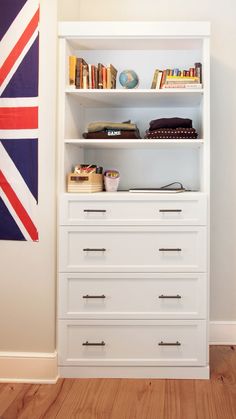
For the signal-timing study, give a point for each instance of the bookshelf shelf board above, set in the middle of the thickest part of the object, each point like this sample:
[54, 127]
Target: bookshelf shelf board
[136, 143]
[137, 98]
[129, 195]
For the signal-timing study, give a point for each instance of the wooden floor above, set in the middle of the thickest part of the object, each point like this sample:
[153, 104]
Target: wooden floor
[129, 399]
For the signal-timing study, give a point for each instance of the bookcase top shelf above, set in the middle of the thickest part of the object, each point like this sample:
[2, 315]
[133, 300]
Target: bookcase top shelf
[142, 143]
[116, 29]
[137, 98]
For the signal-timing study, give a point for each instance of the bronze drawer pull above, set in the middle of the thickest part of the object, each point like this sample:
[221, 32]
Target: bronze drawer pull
[102, 343]
[170, 210]
[87, 249]
[170, 296]
[169, 343]
[95, 210]
[94, 296]
[170, 249]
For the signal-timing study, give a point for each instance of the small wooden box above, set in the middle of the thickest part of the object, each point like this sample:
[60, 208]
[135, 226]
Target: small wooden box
[86, 182]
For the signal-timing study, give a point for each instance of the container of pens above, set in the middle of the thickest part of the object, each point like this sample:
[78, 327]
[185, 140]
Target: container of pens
[111, 180]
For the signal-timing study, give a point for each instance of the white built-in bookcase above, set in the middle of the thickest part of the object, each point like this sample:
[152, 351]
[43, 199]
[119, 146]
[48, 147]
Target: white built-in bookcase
[143, 47]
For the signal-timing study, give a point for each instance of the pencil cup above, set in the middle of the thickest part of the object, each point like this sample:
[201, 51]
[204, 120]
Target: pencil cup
[111, 183]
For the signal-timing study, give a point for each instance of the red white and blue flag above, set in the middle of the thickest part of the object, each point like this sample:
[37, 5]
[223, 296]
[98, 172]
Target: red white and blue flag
[19, 50]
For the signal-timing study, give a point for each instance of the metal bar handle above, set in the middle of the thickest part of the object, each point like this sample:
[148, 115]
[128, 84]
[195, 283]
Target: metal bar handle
[170, 210]
[94, 296]
[95, 210]
[88, 249]
[87, 343]
[170, 249]
[170, 296]
[169, 343]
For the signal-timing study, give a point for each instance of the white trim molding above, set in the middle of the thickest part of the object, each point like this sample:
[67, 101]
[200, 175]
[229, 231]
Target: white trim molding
[223, 333]
[28, 367]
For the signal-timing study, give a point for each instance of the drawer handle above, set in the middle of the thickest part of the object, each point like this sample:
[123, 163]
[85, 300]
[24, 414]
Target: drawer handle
[169, 343]
[95, 210]
[94, 296]
[170, 210]
[102, 343]
[170, 249]
[87, 249]
[170, 296]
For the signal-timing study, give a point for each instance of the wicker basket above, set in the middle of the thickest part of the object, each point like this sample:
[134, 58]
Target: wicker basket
[85, 183]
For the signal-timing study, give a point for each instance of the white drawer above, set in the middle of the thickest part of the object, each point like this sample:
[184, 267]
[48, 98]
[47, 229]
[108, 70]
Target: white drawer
[137, 296]
[130, 342]
[158, 210]
[133, 249]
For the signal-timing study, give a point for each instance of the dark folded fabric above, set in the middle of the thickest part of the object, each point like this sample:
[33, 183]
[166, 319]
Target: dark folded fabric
[170, 123]
[112, 134]
[172, 133]
[171, 137]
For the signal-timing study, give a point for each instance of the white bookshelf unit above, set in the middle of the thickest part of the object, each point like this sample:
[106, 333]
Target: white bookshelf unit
[134, 267]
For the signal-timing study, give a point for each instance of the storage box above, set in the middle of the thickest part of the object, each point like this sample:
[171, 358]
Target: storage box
[87, 182]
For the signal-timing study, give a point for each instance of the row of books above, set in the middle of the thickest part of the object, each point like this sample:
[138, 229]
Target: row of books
[90, 76]
[176, 78]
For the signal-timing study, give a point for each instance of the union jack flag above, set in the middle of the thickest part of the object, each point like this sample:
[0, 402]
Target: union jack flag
[19, 47]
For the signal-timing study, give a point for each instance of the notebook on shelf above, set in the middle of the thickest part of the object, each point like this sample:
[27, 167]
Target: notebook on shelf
[156, 190]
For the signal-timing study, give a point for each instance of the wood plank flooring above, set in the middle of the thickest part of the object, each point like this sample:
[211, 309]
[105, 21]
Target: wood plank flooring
[129, 399]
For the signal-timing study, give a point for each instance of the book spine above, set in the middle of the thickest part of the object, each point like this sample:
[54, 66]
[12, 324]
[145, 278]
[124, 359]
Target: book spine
[183, 86]
[154, 80]
[85, 76]
[79, 73]
[113, 76]
[158, 85]
[104, 77]
[100, 84]
[192, 72]
[198, 71]
[89, 76]
[108, 77]
[93, 76]
[72, 70]
[163, 79]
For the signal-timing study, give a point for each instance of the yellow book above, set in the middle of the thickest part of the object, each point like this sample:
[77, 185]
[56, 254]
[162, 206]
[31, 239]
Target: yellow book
[72, 68]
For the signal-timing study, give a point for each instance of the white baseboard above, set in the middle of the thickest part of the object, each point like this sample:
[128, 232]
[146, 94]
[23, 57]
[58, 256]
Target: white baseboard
[32, 367]
[28, 367]
[223, 333]
[200, 373]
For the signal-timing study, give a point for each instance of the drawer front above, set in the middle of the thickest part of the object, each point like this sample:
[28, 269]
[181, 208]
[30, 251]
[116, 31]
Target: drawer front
[159, 211]
[120, 342]
[163, 249]
[176, 296]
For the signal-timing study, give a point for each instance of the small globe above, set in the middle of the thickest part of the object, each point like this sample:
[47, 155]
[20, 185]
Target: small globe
[128, 79]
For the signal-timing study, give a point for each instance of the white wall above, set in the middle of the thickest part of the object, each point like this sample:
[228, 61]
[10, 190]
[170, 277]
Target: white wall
[27, 293]
[28, 285]
[223, 109]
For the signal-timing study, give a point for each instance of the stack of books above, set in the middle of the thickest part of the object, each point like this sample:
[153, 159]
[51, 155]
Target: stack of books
[90, 76]
[176, 78]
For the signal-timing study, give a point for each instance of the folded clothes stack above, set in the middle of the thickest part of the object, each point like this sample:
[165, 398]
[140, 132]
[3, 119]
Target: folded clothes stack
[171, 128]
[112, 130]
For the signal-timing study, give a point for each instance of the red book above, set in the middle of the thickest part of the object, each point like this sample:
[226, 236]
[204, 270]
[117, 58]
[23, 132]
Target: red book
[104, 77]
[93, 76]
[163, 79]
[191, 72]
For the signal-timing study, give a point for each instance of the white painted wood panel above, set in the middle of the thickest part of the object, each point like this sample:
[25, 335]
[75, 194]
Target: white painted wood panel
[140, 343]
[149, 209]
[140, 296]
[133, 249]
